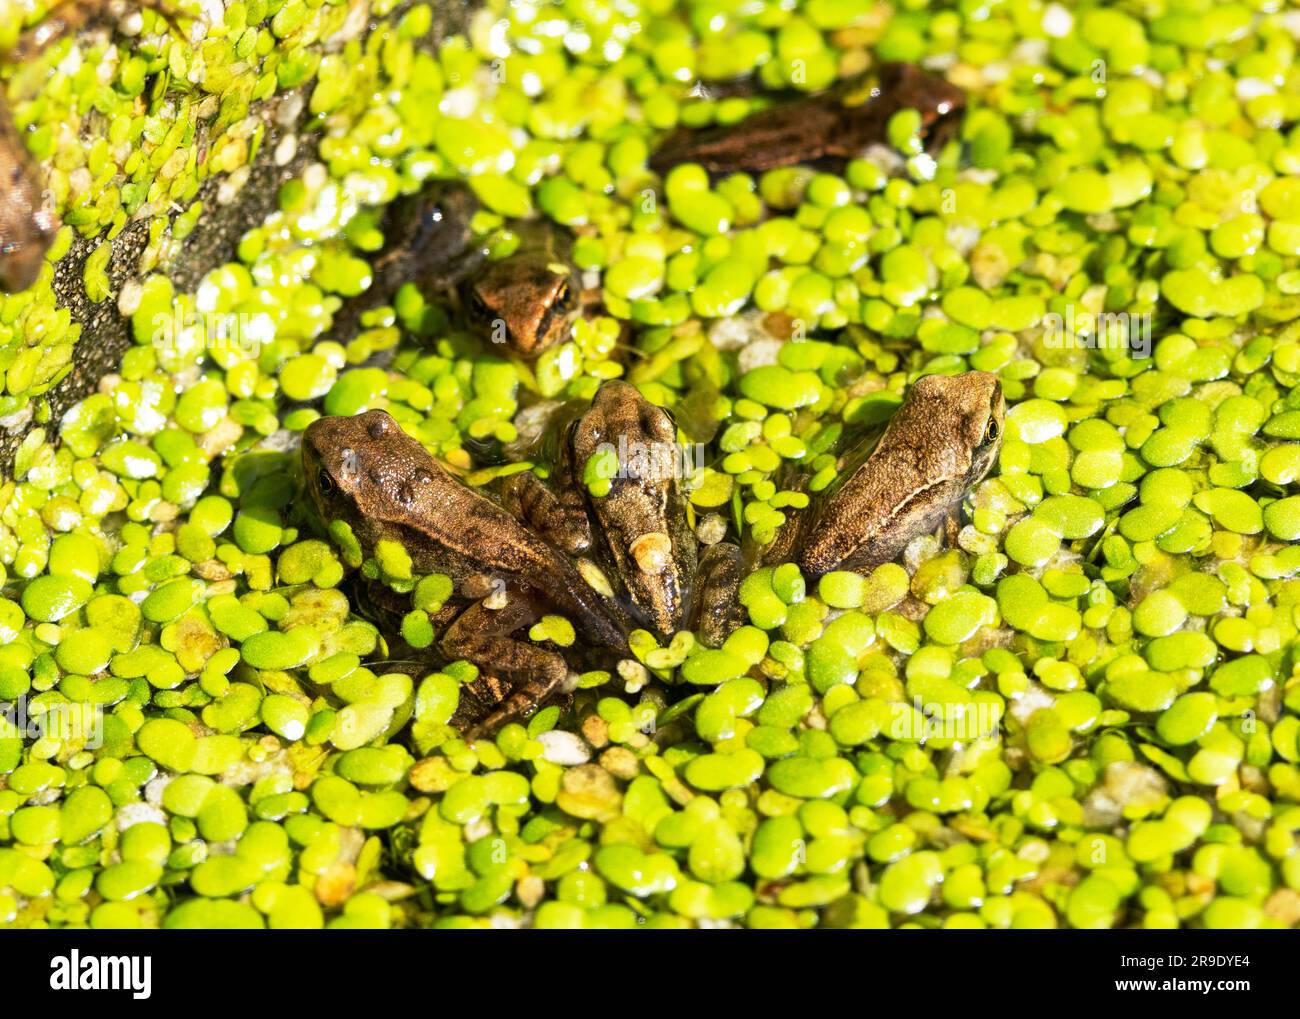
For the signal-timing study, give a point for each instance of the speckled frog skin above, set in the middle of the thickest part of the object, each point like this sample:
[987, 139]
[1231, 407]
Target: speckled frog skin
[646, 566]
[943, 440]
[528, 300]
[644, 537]
[366, 471]
[637, 534]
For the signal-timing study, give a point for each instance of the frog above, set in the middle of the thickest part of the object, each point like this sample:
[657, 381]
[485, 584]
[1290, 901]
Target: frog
[368, 473]
[831, 127]
[524, 302]
[635, 531]
[941, 442]
[625, 556]
[28, 222]
[519, 550]
[530, 298]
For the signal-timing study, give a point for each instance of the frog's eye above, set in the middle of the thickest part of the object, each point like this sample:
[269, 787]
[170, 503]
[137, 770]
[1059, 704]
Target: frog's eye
[991, 432]
[563, 295]
[324, 482]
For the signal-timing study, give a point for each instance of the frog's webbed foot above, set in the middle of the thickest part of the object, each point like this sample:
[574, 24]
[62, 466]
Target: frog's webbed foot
[530, 673]
[67, 16]
[519, 703]
[718, 611]
[561, 520]
[478, 700]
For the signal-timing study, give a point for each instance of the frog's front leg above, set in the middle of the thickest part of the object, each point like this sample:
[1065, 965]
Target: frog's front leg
[482, 635]
[951, 528]
[67, 16]
[376, 601]
[790, 537]
[717, 582]
[560, 519]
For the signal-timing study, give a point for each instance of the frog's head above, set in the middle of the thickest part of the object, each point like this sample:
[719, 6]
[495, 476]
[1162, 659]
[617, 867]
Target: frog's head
[973, 405]
[363, 470]
[941, 104]
[618, 410]
[526, 301]
[623, 422]
[424, 234]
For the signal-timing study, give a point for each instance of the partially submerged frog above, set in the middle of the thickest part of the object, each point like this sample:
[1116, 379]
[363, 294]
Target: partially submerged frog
[28, 225]
[526, 301]
[529, 299]
[609, 563]
[941, 442]
[637, 532]
[366, 472]
[836, 125]
[646, 566]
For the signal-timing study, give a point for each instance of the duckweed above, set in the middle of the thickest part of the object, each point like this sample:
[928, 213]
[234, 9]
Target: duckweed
[1080, 712]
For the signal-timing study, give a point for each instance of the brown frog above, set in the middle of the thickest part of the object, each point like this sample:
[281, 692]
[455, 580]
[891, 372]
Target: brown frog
[637, 532]
[626, 558]
[942, 441]
[28, 224]
[836, 125]
[529, 299]
[526, 301]
[368, 473]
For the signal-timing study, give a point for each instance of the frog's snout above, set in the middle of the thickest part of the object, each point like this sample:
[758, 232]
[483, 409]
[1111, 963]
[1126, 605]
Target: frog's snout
[316, 440]
[316, 478]
[328, 447]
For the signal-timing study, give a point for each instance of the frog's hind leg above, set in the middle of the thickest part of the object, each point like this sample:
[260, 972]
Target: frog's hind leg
[67, 16]
[530, 673]
[559, 519]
